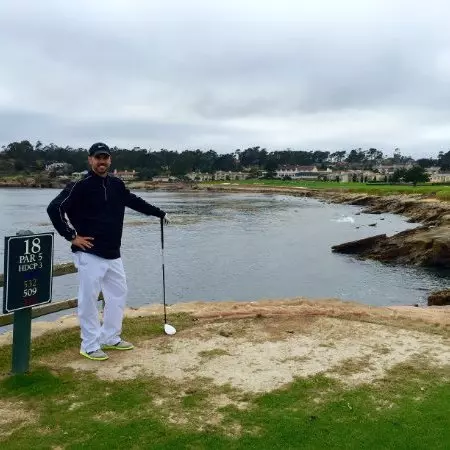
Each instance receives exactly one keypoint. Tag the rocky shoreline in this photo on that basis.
(427, 245)
(32, 182)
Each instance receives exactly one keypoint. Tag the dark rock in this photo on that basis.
(372, 224)
(360, 245)
(362, 200)
(439, 298)
(421, 246)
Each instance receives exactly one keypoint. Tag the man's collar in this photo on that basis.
(93, 174)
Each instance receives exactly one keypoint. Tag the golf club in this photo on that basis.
(168, 329)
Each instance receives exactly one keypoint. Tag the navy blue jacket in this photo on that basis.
(95, 207)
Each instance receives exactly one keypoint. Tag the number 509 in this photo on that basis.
(29, 292)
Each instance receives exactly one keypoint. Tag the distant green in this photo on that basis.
(440, 191)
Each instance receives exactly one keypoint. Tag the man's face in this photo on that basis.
(100, 163)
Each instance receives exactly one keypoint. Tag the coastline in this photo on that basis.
(428, 245)
(29, 182)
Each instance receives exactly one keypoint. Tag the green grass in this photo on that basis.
(79, 411)
(408, 409)
(440, 191)
(443, 195)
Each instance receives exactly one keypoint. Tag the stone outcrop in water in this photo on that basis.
(427, 245)
(439, 298)
(422, 246)
(360, 245)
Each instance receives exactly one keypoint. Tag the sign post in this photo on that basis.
(27, 282)
(21, 340)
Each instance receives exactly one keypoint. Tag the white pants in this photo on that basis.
(97, 274)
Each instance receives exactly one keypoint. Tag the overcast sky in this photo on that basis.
(304, 74)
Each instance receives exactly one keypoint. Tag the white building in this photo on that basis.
(53, 167)
(302, 172)
(361, 176)
(199, 176)
(222, 175)
(390, 169)
(125, 174)
(162, 179)
(440, 177)
(432, 170)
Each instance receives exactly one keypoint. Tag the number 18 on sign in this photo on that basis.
(28, 271)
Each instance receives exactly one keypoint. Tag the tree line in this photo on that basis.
(24, 157)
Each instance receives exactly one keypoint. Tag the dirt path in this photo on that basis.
(259, 355)
(260, 346)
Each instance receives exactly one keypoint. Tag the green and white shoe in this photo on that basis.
(96, 355)
(121, 345)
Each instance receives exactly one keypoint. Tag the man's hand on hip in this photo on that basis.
(83, 242)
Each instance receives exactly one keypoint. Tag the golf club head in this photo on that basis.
(169, 329)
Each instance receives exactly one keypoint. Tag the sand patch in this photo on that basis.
(13, 416)
(262, 354)
(299, 308)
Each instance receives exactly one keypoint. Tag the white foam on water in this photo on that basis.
(347, 219)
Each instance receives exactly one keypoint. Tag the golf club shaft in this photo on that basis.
(163, 271)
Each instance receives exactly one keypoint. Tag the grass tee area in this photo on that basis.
(58, 406)
(441, 192)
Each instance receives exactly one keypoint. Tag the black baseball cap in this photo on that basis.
(99, 148)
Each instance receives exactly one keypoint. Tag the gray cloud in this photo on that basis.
(306, 75)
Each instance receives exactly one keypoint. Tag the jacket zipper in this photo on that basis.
(104, 187)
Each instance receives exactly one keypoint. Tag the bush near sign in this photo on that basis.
(27, 271)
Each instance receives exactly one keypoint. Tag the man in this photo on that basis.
(95, 207)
